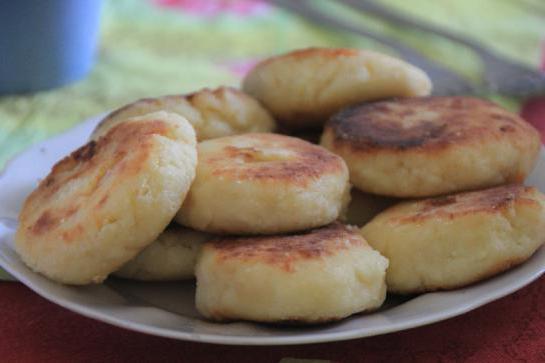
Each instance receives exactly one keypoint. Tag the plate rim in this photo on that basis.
(273, 340)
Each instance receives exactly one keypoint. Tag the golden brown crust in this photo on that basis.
(423, 124)
(453, 241)
(483, 201)
(194, 99)
(149, 101)
(190, 97)
(121, 152)
(273, 157)
(285, 250)
(219, 92)
(108, 200)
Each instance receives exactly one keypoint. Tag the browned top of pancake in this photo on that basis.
(424, 123)
(84, 179)
(257, 156)
(123, 111)
(491, 200)
(283, 251)
(147, 105)
(220, 92)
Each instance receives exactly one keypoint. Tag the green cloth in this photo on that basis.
(150, 50)
(147, 50)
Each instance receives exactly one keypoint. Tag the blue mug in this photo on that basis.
(46, 43)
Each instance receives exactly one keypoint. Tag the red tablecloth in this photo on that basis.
(511, 329)
(508, 330)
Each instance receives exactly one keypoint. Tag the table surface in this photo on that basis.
(187, 38)
(511, 329)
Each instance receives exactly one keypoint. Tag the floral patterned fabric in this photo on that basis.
(156, 47)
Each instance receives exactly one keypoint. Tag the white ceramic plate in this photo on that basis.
(167, 309)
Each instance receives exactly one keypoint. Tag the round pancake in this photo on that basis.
(264, 184)
(172, 256)
(363, 207)
(452, 241)
(430, 146)
(213, 113)
(303, 88)
(102, 204)
(315, 276)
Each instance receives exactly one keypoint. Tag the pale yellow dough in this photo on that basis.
(456, 240)
(315, 276)
(264, 184)
(303, 88)
(213, 113)
(105, 202)
(419, 147)
(172, 256)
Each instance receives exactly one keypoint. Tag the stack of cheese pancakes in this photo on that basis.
(199, 185)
